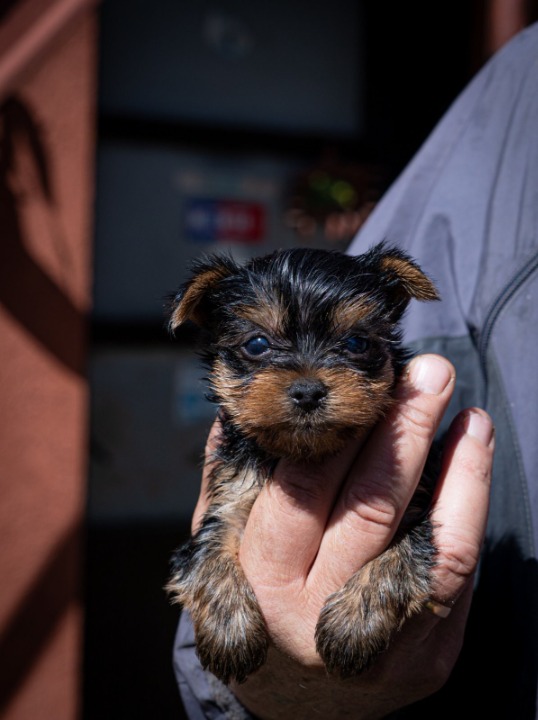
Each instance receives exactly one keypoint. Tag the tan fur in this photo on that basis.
(347, 314)
(265, 411)
(413, 280)
(227, 385)
(188, 308)
(267, 314)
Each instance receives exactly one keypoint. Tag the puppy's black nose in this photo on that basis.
(307, 394)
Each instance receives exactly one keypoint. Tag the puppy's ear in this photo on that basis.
(403, 280)
(189, 302)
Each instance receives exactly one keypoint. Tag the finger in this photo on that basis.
(212, 444)
(433, 643)
(287, 521)
(461, 507)
(385, 476)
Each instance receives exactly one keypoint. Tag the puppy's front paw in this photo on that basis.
(353, 628)
(231, 638)
(358, 621)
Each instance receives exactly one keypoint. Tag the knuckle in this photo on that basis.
(417, 420)
(457, 559)
(371, 507)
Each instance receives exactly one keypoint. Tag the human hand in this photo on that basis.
(312, 527)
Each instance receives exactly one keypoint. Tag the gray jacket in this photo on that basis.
(466, 208)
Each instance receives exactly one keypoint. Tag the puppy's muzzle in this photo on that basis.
(307, 394)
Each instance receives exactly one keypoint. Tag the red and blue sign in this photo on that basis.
(209, 220)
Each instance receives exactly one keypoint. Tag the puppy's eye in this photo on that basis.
(356, 345)
(256, 347)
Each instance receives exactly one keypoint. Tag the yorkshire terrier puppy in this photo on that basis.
(304, 351)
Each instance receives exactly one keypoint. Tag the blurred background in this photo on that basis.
(134, 136)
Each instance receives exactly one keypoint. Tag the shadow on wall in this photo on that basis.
(30, 628)
(26, 291)
(33, 298)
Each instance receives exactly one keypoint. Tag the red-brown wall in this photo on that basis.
(46, 189)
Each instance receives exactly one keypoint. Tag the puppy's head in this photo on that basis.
(304, 345)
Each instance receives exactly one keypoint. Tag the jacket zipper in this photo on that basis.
(498, 306)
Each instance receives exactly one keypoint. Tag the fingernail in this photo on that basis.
(430, 374)
(479, 426)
